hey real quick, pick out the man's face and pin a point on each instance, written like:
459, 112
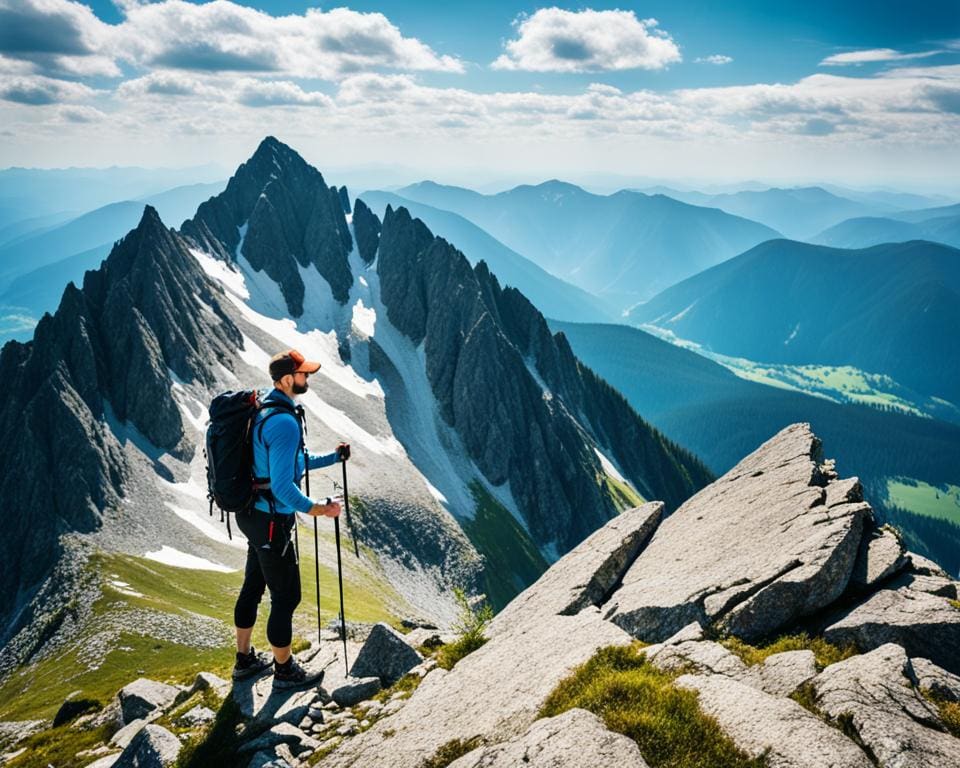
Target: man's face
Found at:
300, 384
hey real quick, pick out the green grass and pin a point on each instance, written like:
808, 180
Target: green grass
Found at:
37, 690
916, 496
622, 494
636, 699
955, 604
513, 561
217, 743
59, 747
825, 653
451, 751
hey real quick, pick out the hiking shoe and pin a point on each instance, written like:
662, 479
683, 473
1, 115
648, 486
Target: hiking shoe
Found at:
250, 664
292, 675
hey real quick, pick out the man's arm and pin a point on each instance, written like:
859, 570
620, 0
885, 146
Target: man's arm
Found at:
320, 460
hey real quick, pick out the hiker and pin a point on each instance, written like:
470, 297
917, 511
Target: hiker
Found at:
278, 463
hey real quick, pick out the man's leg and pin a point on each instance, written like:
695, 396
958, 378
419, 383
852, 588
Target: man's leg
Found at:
245, 610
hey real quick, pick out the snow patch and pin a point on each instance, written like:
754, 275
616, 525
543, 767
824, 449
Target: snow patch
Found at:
170, 556
680, 314
793, 333
608, 466
364, 319
204, 523
225, 274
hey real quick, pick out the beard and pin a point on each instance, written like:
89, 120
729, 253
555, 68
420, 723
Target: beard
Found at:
299, 389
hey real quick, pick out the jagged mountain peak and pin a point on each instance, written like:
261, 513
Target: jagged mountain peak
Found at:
278, 214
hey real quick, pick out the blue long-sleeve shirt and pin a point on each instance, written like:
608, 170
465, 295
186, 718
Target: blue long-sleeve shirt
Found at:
277, 455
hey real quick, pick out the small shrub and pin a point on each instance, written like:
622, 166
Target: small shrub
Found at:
955, 604
299, 643
451, 751
806, 697
949, 711
471, 623
636, 699
825, 653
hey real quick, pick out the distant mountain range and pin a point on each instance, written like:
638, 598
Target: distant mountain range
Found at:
705, 407
939, 225
35, 266
551, 295
28, 193
622, 247
891, 309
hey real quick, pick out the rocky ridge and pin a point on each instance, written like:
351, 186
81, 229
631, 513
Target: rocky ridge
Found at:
105, 356
278, 213
528, 412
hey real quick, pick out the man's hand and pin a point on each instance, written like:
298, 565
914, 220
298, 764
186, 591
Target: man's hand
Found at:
343, 451
325, 510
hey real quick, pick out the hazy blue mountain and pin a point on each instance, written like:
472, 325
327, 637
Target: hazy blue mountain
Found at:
925, 214
864, 232
552, 296
717, 415
35, 269
797, 212
890, 197
622, 247
30, 192
33, 225
891, 309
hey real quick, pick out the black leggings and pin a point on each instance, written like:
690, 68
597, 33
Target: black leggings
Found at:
269, 568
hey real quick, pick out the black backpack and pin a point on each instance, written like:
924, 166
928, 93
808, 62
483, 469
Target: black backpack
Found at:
231, 484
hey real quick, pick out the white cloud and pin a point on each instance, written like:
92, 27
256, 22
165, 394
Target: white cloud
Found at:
555, 40
65, 38
871, 56
221, 36
81, 114
57, 37
37, 90
261, 93
716, 58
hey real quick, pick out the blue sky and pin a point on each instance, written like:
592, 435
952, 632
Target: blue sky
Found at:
865, 93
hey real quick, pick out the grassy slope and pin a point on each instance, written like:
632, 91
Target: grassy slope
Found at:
925, 499
37, 690
513, 561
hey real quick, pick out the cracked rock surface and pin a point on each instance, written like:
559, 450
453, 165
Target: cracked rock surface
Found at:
876, 693
773, 540
576, 737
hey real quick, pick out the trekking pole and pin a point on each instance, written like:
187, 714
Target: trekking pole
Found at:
346, 509
316, 546
343, 621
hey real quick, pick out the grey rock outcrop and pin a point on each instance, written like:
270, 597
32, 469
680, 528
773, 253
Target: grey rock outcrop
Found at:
942, 684
925, 625
772, 541
385, 655
881, 555
142, 697
876, 694
152, 747
282, 733
586, 574
576, 737
760, 723
354, 690
293, 220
